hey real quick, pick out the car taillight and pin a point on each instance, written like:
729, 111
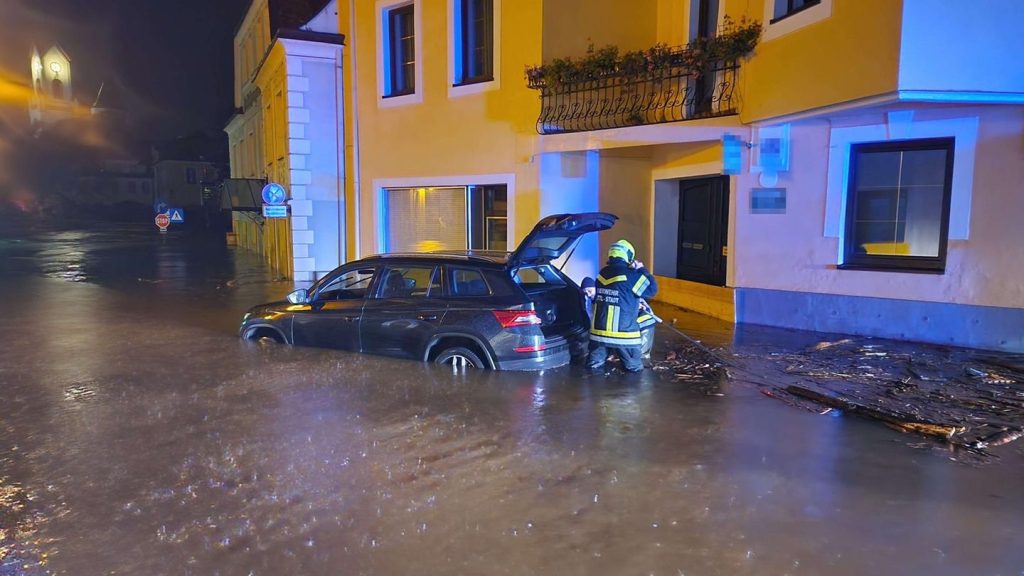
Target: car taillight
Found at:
513, 318
534, 348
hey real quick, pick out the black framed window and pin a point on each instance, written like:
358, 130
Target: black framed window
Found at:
476, 29
410, 282
488, 217
401, 39
349, 285
784, 8
897, 210
467, 282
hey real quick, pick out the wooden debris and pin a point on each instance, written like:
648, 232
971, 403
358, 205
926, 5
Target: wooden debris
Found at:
894, 419
826, 345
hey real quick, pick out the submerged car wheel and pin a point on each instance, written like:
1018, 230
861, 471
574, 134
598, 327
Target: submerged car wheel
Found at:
264, 336
459, 359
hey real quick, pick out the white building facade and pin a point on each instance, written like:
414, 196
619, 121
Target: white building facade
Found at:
288, 129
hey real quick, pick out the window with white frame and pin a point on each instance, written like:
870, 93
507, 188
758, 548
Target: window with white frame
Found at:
784, 8
474, 41
898, 203
400, 51
425, 219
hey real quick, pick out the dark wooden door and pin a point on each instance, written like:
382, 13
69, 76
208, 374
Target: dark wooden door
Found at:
703, 229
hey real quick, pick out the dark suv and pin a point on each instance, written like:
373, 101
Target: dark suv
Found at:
505, 311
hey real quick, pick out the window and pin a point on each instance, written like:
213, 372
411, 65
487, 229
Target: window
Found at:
410, 282
784, 8
445, 218
474, 41
538, 275
498, 282
351, 285
425, 219
897, 211
703, 19
467, 283
401, 51
190, 175
488, 206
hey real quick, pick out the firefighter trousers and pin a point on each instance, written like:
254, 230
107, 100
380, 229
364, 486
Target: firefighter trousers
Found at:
632, 356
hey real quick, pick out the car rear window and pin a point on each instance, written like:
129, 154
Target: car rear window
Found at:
533, 275
499, 283
468, 282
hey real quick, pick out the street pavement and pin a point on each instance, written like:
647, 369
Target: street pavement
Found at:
138, 435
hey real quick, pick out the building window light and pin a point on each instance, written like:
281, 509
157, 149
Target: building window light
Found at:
898, 203
474, 41
400, 51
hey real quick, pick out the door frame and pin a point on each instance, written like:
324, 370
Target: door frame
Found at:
719, 229
661, 176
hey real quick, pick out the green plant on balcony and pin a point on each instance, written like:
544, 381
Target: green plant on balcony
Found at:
735, 40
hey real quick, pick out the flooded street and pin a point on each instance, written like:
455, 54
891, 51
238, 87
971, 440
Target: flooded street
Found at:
139, 435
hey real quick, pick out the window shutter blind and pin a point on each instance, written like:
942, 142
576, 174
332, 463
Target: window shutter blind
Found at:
426, 219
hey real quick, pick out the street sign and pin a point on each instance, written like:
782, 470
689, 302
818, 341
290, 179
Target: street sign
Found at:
274, 194
177, 215
270, 211
162, 222
159, 207
732, 154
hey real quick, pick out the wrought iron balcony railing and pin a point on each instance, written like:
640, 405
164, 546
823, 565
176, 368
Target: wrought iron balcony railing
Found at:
618, 99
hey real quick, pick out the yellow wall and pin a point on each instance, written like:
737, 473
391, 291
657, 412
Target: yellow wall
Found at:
487, 133
852, 54
570, 26
351, 183
273, 240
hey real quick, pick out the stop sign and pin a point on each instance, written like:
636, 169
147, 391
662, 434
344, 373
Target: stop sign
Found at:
163, 221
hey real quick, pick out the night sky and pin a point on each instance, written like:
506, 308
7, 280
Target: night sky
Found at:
168, 62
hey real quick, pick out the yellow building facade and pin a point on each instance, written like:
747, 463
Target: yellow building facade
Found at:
738, 179
288, 130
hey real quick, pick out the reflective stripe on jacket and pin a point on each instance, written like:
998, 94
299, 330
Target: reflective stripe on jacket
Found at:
616, 306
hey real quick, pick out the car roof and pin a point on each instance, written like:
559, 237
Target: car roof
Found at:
488, 258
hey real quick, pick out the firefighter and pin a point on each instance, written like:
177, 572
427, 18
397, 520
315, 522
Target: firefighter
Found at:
620, 286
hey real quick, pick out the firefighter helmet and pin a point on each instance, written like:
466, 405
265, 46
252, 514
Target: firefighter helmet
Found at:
622, 249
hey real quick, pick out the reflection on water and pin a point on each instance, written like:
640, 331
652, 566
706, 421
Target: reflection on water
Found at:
138, 435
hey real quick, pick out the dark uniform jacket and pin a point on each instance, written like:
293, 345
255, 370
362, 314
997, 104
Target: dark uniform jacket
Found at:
616, 306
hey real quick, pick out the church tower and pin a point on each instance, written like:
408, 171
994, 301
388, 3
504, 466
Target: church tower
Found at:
52, 97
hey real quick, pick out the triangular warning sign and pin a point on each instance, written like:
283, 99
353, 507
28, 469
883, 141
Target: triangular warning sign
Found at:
176, 216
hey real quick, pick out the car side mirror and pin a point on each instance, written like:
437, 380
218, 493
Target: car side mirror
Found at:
300, 296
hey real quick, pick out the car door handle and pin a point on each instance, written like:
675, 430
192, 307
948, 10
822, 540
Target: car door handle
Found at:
427, 317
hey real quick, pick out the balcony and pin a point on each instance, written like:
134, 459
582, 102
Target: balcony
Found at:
605, 89
619, 99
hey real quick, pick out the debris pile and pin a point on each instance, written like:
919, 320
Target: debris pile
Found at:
969, 399
691, 362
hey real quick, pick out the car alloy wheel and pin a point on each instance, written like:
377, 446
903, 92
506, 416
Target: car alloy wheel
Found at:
459, 359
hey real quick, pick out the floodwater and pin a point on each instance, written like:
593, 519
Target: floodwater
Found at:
138, 435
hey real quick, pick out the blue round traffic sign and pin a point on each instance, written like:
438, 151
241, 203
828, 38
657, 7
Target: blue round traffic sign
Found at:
274, 194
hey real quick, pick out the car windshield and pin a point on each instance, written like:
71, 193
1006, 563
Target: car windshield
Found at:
534, 275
